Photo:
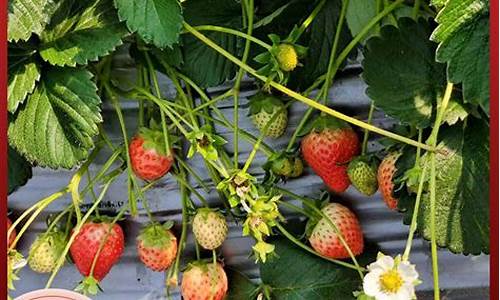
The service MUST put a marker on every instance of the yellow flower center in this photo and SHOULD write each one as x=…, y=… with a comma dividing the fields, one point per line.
x=391, y=281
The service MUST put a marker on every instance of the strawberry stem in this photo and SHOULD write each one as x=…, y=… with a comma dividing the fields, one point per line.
x=413, y=225
x=432, y=186
x=248, y=8
x=367, y=132
x=131, y=196
x=330, y=72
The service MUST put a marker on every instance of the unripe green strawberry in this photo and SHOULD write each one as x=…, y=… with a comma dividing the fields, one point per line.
x=298, y=167
x=45, y=252
x=282, y=166
x=287, y=57
x=363, y=175
x=209, y=228
x=324, y=239
x=262, y=109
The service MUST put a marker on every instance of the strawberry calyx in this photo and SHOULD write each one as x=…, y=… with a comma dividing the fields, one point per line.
x=154, y=140
x=89, y=286
x=156, y=235
x=324, y=122
x=264, y=102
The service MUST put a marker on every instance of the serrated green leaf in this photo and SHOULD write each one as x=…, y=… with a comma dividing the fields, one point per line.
x=240, y=286
x=23, y=75
x=81, y=32
x=156, y=21
x=19, y=170
x=55, y=126
x=455, y=15
x=319, y=41
x=468, y=55
x=454, y=112
x=297, y=275
x=201, y=63
x=462, y=189
x=27, y=17
x=402, y=76
x=463, y=34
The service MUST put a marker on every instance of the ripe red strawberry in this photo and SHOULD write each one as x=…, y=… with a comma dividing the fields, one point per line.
x=326, y=242
x=148, y=156
x=328, y=148
x=210, y=228
x=87, y=243
x=204, y=281
x=386, y=171
x=157, y=246
x=12, y=236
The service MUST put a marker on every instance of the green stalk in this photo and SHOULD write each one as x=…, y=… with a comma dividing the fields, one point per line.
x=306, y=100
x=416, y=9
x=232, y=32
x=367, y=133
x=333, y=52
x=413, y=225
x=152, y=74
x=236, y=89
x=432, y=187
x=140, y=78
x=309, y=20
x=40, y=206
x=131, y=196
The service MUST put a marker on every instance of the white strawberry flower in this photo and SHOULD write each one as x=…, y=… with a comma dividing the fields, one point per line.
x=390, y=279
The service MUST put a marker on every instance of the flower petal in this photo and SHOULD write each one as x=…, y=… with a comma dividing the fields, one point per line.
x=408, y=271
x=371, y=285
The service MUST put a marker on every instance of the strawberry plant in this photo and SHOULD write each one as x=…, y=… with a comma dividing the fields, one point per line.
x=425, y=66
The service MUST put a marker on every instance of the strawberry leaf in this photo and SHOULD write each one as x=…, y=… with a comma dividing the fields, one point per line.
x=240, y=286
x=156, y=21
x=27, y=17
x=55, y=126
x=19, y=170
x=23, y=75
x=402, y=76
x=468, y=57
x=297, y=275
x=201, y=63
x=462, y=189
x=81, y=32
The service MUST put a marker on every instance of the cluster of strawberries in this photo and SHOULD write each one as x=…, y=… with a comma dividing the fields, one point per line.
x=331, y=149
